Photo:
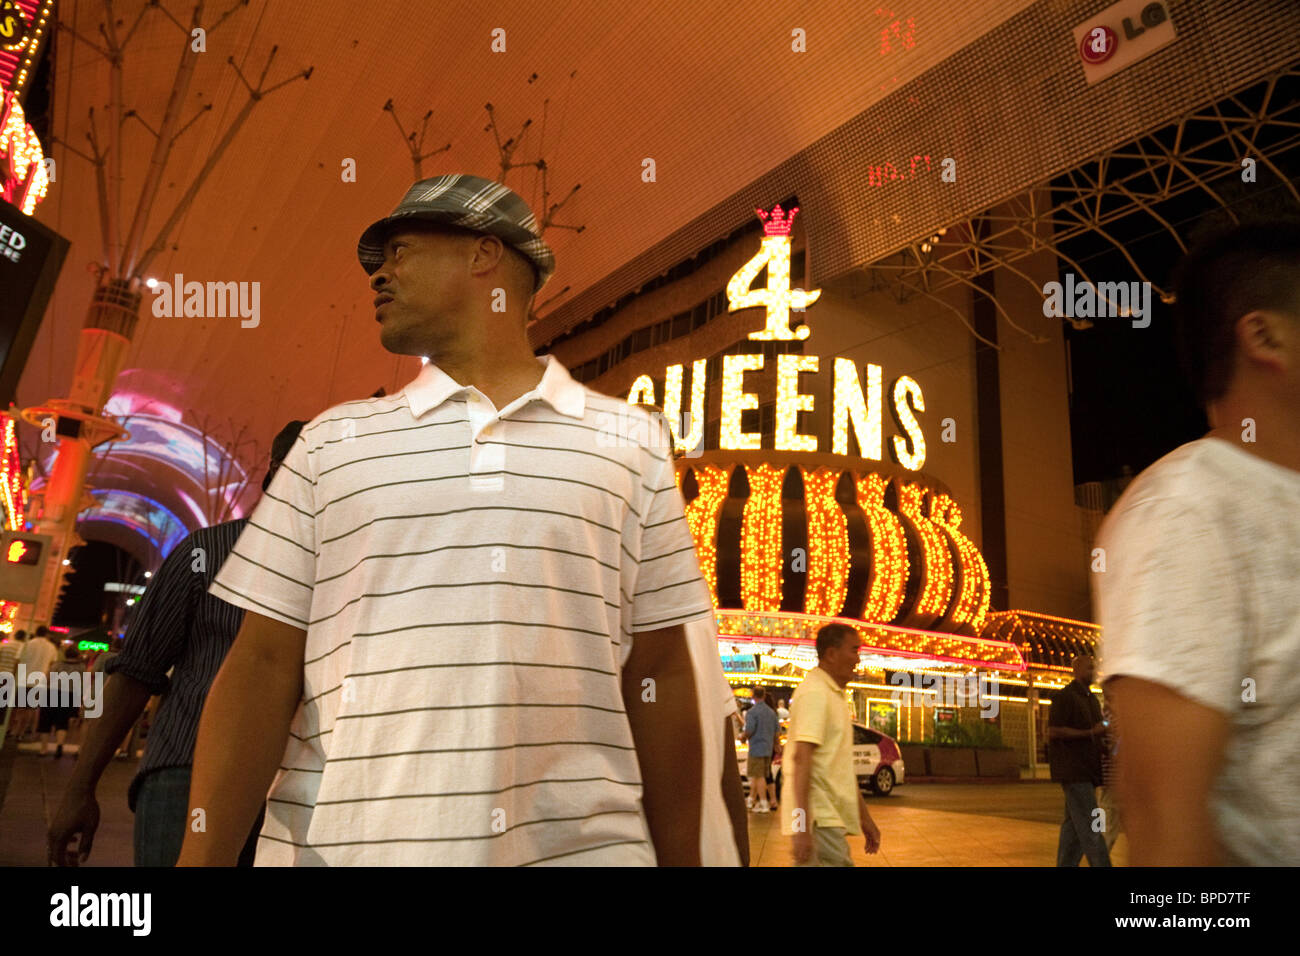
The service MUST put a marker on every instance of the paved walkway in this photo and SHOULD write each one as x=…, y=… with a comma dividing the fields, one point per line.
x=921, y=824
x=912, y=833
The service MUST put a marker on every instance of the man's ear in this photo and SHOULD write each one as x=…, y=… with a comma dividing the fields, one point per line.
x=1263, y=337
x=488, y=251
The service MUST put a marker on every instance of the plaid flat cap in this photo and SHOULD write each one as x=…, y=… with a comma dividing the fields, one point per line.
x=469, y=202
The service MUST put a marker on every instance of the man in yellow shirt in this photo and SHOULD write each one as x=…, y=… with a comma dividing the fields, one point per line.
x=827, y=805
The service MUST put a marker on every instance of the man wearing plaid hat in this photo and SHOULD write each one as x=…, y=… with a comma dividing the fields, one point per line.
x=466, y=639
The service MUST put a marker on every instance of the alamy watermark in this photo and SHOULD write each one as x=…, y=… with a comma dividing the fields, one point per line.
x=208, y=300
x=59, y=689
x=947, y=690
x=647, y=428
x=1104, y=300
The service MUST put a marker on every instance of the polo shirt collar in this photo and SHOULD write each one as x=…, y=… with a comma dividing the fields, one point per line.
x=827, y=678
x=557, y=388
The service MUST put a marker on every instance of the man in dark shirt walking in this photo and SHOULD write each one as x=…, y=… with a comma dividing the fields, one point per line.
x=1074, y=732
x=181, y=628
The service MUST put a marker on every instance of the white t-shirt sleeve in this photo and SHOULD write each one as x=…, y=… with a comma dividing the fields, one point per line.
x=272, y=568
x=1169, y=602
x=670, y=588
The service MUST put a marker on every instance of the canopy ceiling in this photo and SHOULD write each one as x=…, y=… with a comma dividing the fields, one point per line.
x=711, y=92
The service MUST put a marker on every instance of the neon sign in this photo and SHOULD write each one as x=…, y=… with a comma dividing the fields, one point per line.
x=852, y=410
x=22, y=25
x=23, y=179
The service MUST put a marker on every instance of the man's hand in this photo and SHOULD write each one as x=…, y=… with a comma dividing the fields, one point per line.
x=871, y=834
x=870, y=831
x=803, y=847
x=77, y=817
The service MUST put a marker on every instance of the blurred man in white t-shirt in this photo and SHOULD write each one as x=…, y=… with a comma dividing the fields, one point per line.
x=1199, y=602
x=38, y=655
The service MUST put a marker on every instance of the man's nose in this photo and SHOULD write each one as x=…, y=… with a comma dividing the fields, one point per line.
x=379, y=278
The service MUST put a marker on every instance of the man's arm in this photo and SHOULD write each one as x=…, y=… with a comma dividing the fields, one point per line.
x=665, y=721
x=733, y=793
x=870, y=832
x=1172, y=749
x=801, y=810
x=242, y=736
x=124, y=700
x=1073, y=733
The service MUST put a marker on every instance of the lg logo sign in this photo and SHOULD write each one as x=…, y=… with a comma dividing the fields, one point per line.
x=1099, y=45
x=1146, y=27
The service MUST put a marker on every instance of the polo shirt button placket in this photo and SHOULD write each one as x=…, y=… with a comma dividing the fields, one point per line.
x=486, y=460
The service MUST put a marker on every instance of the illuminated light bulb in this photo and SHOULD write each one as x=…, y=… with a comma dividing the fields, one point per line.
x=905, y=387
x=152, y=283
x=736, y=400
x=642, y=391
x=790, y=402
x=850, y=408
x=702, y=518
x=828, y=544
x=889, y=566
x=973, y=597
x=761, y=559
x=673, y=404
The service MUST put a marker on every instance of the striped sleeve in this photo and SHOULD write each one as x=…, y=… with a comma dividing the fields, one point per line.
x=670, y=589
x=272, y=568
x=157, y=635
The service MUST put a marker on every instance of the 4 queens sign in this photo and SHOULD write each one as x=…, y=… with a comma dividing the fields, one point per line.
x=59, y=689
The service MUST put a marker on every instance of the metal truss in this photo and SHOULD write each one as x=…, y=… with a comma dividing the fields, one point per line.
x=1200, y=150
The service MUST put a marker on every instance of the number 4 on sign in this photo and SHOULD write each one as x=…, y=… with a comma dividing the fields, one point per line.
x=778, y=297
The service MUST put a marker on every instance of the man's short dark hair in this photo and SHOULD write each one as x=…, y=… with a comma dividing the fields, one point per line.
x=832, y=636
x=42, y=631
x=20, y=635
x=759, y=694
x=1227, y=275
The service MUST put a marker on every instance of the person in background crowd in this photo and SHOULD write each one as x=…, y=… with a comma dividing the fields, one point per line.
x=435, y=539
x=38, y=656
x=182, y=628
x=1074, y=731
x=62, y=702
x=826, y=806
x=10, y=650
x=760, y=733
x=783, y=709
x=1106, y=799
x=1199, y=605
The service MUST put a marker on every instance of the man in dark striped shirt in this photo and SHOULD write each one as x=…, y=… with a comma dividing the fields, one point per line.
x=182, y=629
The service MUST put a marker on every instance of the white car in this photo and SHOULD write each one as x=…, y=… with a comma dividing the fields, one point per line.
x=877, y=761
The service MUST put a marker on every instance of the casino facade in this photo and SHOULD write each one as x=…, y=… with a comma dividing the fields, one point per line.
x=869, y=398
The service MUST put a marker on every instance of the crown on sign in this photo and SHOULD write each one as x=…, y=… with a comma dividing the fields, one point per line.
x=776, y=223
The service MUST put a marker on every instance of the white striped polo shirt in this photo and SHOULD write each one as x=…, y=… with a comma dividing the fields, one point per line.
x=469, y=581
